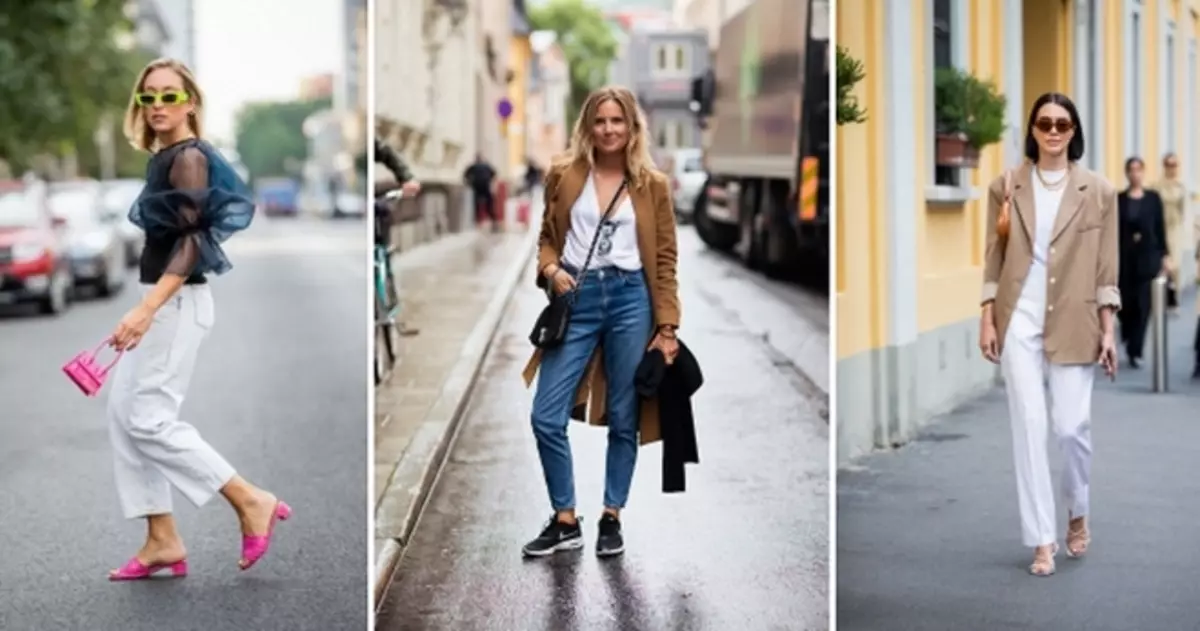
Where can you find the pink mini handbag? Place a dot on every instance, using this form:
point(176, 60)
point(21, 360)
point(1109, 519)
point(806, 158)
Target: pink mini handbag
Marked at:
point(87, 373)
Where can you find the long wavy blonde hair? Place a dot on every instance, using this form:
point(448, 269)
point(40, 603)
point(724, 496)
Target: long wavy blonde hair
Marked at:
point(638, 161)
point(137, 130)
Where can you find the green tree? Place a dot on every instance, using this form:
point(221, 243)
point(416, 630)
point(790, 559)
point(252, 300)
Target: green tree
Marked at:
point(587, 42)
point(61, 68)
point(849, 72)
point(271, 134)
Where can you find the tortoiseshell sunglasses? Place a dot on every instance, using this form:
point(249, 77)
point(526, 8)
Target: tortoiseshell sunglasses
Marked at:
point(169, 97)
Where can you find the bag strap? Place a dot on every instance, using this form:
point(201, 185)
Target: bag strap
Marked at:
point(596, 237)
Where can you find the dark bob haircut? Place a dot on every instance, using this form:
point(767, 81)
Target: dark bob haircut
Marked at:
point(1075, 148)
point(1132, 160)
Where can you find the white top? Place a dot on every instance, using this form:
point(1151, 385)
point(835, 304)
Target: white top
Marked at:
point(617, 245)
point(1032, 302)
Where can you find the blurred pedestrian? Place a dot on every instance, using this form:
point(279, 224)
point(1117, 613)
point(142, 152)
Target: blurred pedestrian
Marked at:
point(193, 200)
point(481, 178)
point(1174, 199)
point(616, 269)
point(1049, 295)
point(533, 176)
point(1144, 256)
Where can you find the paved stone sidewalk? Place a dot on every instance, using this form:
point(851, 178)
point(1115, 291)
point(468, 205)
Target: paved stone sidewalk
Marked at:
point(929, 536)
point(444, 286)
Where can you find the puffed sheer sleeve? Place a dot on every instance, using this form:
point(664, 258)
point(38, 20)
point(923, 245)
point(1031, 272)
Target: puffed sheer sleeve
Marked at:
point(189, 177)
point(202, 204)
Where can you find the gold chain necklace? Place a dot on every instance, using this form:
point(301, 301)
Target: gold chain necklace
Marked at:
point(1061, 182)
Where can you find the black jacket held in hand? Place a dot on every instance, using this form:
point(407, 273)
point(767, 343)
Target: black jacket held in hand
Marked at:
point(674, 385)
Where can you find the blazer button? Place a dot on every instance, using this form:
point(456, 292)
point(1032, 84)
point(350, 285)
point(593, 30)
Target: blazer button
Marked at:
point(1052, 250)
point(1051, 280)
point(1050, 308)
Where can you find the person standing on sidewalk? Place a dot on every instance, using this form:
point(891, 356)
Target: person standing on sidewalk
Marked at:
point(192, 201)
point(1144, 256)
point(1049, 295)
point(628, 299)
point(481, 177)
point(1174, 200)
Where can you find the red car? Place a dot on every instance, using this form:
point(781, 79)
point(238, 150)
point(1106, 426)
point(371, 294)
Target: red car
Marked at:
point(33, 267)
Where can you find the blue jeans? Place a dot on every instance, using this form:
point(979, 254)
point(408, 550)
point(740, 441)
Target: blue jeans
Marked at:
point(612, 308)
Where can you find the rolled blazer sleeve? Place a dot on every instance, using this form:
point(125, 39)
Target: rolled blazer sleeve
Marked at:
point(666, 252)
point(993, 260)
point(1108, 263)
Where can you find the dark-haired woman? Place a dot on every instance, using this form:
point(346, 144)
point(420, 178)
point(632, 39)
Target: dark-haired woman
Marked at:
point(1143, 255)
point(1049, 295)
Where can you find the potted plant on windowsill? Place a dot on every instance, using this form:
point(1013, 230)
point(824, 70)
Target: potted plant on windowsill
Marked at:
point(969, 114)
point(849, 72)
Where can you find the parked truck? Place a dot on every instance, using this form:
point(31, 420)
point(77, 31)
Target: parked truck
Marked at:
point(765, 108)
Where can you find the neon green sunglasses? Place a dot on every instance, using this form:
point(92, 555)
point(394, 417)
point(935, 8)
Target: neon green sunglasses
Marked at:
point(169, 97)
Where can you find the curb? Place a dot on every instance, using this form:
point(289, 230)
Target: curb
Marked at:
point(431, 444)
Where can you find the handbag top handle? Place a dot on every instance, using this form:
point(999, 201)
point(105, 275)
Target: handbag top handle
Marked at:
point(596, 237)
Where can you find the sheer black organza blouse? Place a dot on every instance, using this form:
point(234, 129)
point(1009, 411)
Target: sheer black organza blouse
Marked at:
point(192, 202)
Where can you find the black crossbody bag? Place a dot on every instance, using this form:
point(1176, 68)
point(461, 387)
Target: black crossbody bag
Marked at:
point(550, 330)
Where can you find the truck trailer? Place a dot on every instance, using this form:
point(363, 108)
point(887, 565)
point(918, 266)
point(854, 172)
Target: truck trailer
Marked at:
point(765, 110)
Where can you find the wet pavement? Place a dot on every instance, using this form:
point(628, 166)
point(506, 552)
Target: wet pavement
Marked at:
point(929, 535)
point(746, 547)
point(280, 390)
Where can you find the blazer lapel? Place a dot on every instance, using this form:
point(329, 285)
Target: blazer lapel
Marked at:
point(1023, 198)
point(1072, 201)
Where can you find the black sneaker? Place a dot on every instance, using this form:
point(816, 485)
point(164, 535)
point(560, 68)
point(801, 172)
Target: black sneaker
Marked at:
point(610, 542)
point(555, 536)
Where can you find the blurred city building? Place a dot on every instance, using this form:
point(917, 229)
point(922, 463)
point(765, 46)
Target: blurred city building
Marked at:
point(708, 15)
point(444, 81)
point(180, 19)
point(910, 234)
point(549, 93)
point(520, 74)
point(332, 183)
point(657, 60)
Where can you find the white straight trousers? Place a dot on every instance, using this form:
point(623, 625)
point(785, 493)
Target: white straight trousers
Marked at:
point(153, 449)
point(1026, 376)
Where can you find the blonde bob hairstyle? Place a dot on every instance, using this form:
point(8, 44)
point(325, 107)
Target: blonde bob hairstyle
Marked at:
point(137, 130)
point(638, 161)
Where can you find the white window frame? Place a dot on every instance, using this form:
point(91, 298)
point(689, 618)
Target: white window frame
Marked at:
point(1168, 134)
point(959, 54)
point(1192, 172)
point(1135, 75)
point(1089, 80)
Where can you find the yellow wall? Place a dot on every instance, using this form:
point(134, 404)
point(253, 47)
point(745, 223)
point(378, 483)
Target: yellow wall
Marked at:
point(860, 211)
point(950, 237)
point(517, 128)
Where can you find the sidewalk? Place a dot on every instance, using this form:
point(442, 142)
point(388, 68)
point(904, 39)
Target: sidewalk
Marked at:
point(453, 292)
point(929, 536)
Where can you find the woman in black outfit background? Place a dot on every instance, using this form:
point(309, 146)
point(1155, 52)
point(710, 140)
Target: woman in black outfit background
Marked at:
point(1143, 255)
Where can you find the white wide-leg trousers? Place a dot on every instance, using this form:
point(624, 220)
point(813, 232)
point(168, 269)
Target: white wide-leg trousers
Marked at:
point(153, 450)
point(1026, 375)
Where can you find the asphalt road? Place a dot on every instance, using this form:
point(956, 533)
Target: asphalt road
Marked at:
point(280, 390)
point(746, 547)
point(929, 535)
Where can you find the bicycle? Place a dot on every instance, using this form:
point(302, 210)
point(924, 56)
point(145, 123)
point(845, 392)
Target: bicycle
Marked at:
point(387, 294)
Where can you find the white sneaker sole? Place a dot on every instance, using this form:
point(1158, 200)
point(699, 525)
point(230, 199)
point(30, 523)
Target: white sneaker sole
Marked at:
point(569, 544)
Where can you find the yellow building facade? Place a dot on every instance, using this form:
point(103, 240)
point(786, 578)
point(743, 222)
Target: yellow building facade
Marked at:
point(910, 236)
point(520, 56)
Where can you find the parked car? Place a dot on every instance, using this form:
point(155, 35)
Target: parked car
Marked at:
point(93, 239)
point(277, 196)
point(119, 196)
point(686, 168)
point(33, 263)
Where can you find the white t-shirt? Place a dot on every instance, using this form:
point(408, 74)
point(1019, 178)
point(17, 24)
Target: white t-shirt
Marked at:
point(1046, 205)
point(617, 245)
